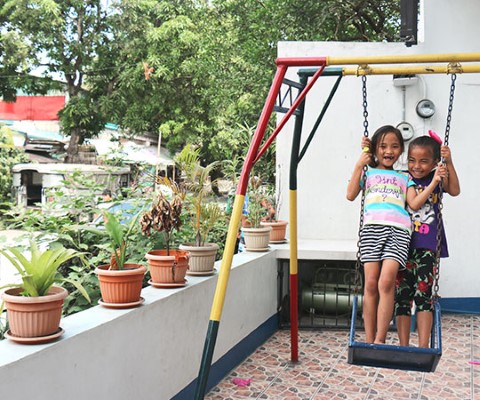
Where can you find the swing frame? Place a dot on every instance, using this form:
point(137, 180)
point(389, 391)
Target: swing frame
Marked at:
point(356, 66)
point(391, 356)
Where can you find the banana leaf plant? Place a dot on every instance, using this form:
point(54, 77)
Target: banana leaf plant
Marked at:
point(40, 272)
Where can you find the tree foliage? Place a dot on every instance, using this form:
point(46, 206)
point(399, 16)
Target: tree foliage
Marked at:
point(9, 156)
point(191, 71)
point(65, 39)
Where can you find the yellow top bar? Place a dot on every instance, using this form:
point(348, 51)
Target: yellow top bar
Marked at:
point(410, 70)
point(400, 59)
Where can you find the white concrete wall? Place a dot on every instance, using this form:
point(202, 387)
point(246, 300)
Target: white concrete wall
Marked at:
point(324, 213)
point(151, 352)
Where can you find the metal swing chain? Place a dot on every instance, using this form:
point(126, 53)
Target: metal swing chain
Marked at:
point(364, 180)
point(440, 193)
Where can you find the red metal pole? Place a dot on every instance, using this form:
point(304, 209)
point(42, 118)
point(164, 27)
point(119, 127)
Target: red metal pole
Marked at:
point(302, 61)
point(252, 157)
point(287, 116)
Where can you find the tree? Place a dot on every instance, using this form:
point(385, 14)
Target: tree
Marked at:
point(66, 38)
point(330, 20)
point(160, 90)
point(239, 46)
point(16, 61)
point(194, 71)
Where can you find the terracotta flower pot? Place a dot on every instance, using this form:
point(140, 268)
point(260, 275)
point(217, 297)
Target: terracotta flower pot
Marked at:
point(168, 269)
point(122, 286)
point(256, 239)
point(278, 232)
point(202, 258)
point(30, 317)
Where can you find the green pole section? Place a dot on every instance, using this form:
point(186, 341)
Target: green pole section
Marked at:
point(297, 134)
point(207, 356)
point(320, 117)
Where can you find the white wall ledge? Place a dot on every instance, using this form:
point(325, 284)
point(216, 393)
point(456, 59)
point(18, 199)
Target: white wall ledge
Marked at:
point(320, 250)
point(156, 340)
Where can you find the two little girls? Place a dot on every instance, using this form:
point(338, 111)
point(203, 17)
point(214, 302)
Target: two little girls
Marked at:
point(387, 227)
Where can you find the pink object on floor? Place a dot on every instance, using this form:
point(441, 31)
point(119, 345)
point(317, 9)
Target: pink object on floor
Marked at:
point(242, 382)
point(434, 136)
point(474, 362)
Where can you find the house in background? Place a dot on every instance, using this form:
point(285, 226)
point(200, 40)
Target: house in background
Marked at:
point(34, 123)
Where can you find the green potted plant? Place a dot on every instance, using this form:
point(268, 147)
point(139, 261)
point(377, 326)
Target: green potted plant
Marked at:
point(120, 282)
point(279, 227)
point(203, 212)
point(34, 306)
point(167, 267)
point(256, 236)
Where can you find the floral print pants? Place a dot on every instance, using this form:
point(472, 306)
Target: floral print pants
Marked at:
point(414, 283)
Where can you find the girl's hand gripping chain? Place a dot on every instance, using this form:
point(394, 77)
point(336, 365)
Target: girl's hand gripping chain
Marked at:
point(365, 144)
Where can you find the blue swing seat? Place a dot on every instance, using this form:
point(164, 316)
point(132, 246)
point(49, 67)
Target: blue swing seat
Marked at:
point(396, 357)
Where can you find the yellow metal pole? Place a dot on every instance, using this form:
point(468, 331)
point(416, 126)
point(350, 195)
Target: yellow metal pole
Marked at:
point(412, 69)
point(293, 276)
point(405, 59)
point(293, 232)
point(228, 252)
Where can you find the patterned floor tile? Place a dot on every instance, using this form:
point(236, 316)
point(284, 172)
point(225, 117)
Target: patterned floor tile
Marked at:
point(260, 378)
point(285, 391)
point(327, 394)
point(300, 377)
point(351, 384)
point(395, 389)
point(322, 371)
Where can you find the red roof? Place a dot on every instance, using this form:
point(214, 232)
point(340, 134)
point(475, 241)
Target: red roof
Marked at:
point(32, 108)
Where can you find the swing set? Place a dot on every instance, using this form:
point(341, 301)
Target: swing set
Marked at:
point(391, 356)
point(375, 355)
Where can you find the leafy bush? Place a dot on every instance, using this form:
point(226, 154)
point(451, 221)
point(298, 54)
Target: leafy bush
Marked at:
point(9, 156)
point(76, 302)
point(3, 321)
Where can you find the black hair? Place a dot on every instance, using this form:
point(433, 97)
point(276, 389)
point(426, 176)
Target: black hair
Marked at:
point(427, 141)
point(379, 135)
point(107, 192)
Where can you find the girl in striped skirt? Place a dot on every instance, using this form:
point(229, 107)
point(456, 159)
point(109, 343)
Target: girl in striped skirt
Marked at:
point(387, 228)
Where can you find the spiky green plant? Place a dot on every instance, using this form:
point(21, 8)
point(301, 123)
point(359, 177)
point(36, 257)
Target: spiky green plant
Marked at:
point(40, 272)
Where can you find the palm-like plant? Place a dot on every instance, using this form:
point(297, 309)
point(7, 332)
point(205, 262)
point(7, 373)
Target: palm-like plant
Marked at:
point(197, 185)
point(40, 272)
point(256, 210)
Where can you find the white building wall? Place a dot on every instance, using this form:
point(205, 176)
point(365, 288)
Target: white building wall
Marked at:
point(323, 211)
